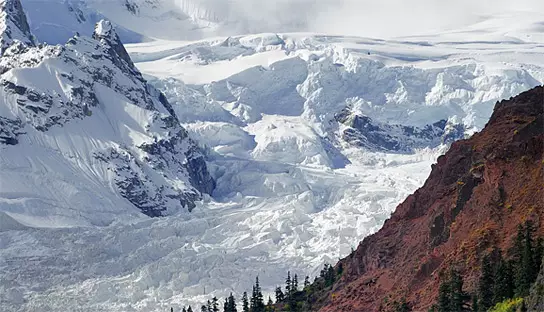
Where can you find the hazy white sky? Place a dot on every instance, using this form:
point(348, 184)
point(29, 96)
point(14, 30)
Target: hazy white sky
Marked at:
point(376, 18)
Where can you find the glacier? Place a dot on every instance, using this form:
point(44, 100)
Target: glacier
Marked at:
point(269, 113)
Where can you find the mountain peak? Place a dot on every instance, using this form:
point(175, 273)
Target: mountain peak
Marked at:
point(105, 32)
point(13, 25)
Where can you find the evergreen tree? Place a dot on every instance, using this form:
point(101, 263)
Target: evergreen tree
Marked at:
point(258, 301)
point(295, 284)
point(288, 285)
point(517, 257)
point(183, 310)
point(203, 308)
point(503, 287)
point(279, 294)
point(226, 305)
point(189, 309)
point(245, 303)
point(486, 285)
point(215, 304)
point(401, 306)
point(330, 276)
point(340, 269)
point(444, 301)
point(270, 305)
point(539, 253)
point(474, 305)
point(306, 281)
point(458, 296)
point(232, 304)
point(171, 309)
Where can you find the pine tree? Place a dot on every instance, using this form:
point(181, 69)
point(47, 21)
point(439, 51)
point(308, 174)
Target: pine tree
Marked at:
point(444, 301)
point(183, 310)
point(279, 294)
point(401, 306)
point(288, 285)
point(203, 308)
point(270, 305)
point(226, 305)
point(539, 253)
point(232, 304)
point(259, 301)
point(295, 284)
point(486, 285)
point(524, 259)
point(306, 281)
point(503, 287)
point(340, 269)
point(245, 303)
point(215, 304)
point(458, 296)
point(475, 307)
point(189, 309)
point(171, 309)
point(329, 276)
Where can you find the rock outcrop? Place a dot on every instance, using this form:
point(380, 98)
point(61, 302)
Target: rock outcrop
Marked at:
point(13, 25)
point(362, 131)
point(474, 199)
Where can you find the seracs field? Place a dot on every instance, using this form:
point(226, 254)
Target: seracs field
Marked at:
point(309, 142)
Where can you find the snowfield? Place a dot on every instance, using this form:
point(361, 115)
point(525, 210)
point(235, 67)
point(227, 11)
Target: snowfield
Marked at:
point(291, 192)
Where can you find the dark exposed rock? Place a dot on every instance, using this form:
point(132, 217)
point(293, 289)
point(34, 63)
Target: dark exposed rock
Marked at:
point(106, 34)
point(364, 132)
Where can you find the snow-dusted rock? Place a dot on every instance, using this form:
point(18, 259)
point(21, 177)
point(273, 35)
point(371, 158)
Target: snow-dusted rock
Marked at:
point(13, 25)
point(139, 146)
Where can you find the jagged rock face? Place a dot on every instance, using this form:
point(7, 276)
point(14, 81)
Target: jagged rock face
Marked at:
point(13, 25)
point(105, 33)
point(156, 166)
point(474, 199)
point(362, 131)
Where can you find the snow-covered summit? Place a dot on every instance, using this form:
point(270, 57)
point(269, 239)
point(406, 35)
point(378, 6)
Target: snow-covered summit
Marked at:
point(84, 112)
point(13, 25)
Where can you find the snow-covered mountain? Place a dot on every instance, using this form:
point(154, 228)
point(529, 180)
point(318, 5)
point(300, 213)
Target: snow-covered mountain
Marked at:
point(81, 117)
point(310, 142)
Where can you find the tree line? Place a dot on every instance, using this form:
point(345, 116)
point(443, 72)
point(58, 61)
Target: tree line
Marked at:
point(292, 297)
point(502, 278)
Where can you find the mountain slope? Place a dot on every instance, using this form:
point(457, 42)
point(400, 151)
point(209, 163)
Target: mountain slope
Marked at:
point(80, 129)
point(474, 199)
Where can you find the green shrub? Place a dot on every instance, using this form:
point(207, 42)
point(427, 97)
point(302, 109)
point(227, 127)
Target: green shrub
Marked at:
point(509, 305)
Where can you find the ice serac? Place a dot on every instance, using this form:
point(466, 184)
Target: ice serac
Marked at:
point(474, 199)
point(87, 108)
point(13, 25)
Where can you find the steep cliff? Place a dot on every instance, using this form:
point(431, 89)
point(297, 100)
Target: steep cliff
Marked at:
point(474, 198)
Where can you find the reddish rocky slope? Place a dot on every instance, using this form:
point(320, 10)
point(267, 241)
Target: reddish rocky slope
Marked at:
point(474, 199)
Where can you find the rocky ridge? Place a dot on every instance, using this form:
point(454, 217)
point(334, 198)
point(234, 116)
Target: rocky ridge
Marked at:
point(163, 170)
point(474, 199)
